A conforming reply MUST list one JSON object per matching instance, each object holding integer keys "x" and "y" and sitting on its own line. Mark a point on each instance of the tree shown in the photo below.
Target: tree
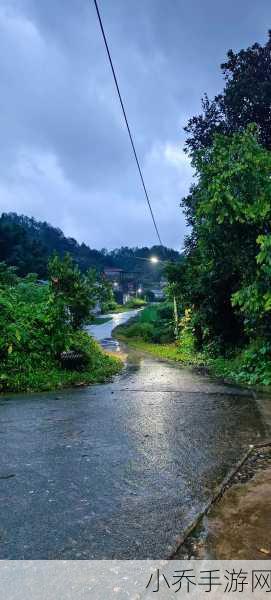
{"x": 71, "y": 289}
{"x": 254, "y": 298}
{"x": 245, "y": 99}
{"x": 19, "y": 250}
{"x": 8, "y": 275}
{"x": 231, "y": 208}
{"x": 32, "y": 328}
{"x": 104, "y": 293}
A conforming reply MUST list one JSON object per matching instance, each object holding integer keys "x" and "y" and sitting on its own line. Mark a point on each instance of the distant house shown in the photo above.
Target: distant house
{"x": 42, "y": 282}
{"x": 125, "y": 284}
{"x": 113, "y": 274}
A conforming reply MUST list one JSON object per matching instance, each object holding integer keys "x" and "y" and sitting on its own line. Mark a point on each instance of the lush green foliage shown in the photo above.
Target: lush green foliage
{"x": 71, "y": 290}
{"x": 153, "y": 324}
{"x": 230, "y": 208}
{"x": 132, "y": 304}
{"x": 78, "y": 292}
{"x": 254, "y": 298}
{"x": 225, "y": 278}
{"x": 28, "y": 245}
{"x": 251, "y": 367}
{"x": 135, "y": 303}
{"x": 246, "y": 98}
{"x": 18, "y": 249}
{"x": 39, "y": 322}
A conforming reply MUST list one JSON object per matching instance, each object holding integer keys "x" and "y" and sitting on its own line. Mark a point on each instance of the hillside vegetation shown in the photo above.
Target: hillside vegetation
{"x": 28, "y": 244}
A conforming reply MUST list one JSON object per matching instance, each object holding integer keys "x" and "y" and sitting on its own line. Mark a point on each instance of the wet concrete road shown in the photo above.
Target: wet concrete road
{"x": 103, "y": 332}
{"x": 118, "y": 470}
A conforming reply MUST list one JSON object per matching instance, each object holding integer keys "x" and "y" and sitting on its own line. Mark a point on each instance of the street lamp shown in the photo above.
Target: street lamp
{"x": 155, "y": 260}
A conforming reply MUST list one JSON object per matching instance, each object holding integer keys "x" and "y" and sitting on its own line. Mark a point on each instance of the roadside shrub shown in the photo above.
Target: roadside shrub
{"x": 35, "y": 328}
{"x": 107, "y": 307}
{"x": 253, "y": 366}
{"x": 144, "y": 331}
{"x": 135, "y": 303}
{"x": 186, "y": 336}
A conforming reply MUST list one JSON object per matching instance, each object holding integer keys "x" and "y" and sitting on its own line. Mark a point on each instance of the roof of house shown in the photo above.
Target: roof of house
{"x": 112, "y": 270}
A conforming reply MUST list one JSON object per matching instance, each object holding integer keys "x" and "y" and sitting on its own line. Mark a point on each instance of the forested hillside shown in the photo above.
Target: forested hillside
{"x": 28, "y": 244}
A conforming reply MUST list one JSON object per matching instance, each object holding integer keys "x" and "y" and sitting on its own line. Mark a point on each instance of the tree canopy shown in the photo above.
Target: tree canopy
{"x": 245, "y": 99}
{"x": 224, "y": 283}
{"x": 231, "y": 209}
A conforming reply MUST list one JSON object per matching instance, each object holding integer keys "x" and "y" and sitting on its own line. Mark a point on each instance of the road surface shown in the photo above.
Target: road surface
{"x": 118, "y": 470}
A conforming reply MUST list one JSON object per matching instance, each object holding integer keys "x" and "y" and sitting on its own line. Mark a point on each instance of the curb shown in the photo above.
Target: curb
{"x": 180, "y": 540}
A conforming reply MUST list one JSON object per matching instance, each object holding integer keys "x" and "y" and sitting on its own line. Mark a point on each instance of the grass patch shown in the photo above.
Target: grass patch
{"x": 131, "y": 305}
{"x": 99, "y": 320}
{"x": 246, "y": 368}
{"x": 120, "y": 308}
{"x": 55, "y": 378}
{"x": 231, "y": 370}
{"x": 164, "y": 351}
{"x": 52, "y": 377}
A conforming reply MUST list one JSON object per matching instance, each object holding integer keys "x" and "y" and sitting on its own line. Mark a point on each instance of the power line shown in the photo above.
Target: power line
{"x": 127, "y": 123}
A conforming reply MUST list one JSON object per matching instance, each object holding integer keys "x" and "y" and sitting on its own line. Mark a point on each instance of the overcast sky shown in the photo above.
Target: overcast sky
{"x": 64, "y": 154}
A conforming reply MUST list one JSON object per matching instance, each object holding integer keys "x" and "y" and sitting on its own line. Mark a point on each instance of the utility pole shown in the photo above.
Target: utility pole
{"x": 176, "y": 319}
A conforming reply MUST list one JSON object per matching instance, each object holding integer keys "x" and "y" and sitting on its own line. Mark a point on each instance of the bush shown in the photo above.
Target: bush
{"x": 252, "y": 366}
{"x": 107, "y": 307}
{"x": 135, "y": 303}
{"x": 35, "y": 328}
{"x": 186, "y": 337}
{"x": 144, "y": 331}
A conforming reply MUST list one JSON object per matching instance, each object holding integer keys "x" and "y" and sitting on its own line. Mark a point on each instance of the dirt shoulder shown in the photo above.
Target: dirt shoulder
{"x": 238, "y": 526}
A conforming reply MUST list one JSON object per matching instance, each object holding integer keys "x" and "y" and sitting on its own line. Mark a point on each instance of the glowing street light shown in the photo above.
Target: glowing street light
{"x": 139, "y": 291}
{"x": 155, "y": 260}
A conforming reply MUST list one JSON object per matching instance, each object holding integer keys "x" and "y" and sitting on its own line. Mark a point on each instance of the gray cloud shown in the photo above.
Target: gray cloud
{"x": 65, "y": 155}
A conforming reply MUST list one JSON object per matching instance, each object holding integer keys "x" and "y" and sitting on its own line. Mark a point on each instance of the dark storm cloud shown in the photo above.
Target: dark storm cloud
{"x": 65, "y": 154}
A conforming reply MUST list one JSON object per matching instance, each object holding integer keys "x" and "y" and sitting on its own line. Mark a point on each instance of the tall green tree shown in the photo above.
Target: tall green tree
{"x": 246, "y": 98}
{"x": 231, "y": 215}
{"x": 71, "y": 289}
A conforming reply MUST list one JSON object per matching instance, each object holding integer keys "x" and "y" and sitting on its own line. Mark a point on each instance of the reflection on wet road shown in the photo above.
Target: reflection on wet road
{"x": 103, "y": 332}
{"x": 118, "y": 470}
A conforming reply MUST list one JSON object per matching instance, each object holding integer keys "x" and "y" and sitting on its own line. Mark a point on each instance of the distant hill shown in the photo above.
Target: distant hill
{"x": 28, "y": 244}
